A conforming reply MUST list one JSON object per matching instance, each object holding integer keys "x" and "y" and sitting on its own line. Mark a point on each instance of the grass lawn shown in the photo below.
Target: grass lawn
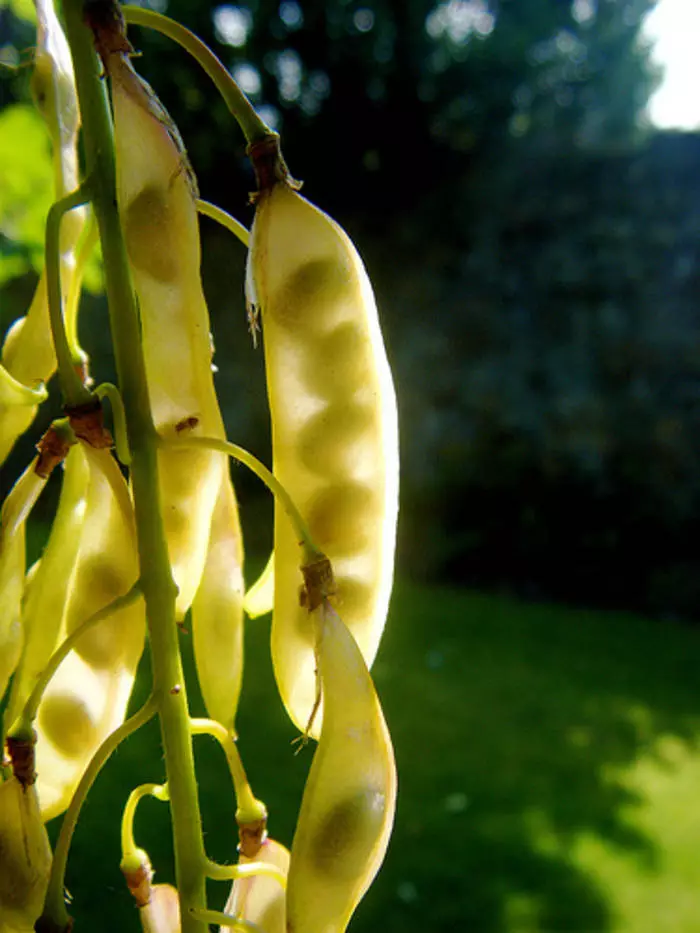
{"x": 549, "y": 768}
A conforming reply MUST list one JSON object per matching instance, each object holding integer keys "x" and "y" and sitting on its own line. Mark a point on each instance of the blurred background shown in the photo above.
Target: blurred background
{"x": 521, "y": 178}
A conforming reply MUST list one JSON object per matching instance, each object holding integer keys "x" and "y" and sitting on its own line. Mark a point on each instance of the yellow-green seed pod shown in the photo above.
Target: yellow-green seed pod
{"x": 15, "y": 510}
{"x": 18, "y": 405}
{"x": 87, "y": 697}
{"x": 217, "y": 613}
{"x": 48, "y": 583}
{"x": 162, "y": 913}
{"x": 259, "y": 899}
{"x": 260, "y": 598}
{"x": 25, "y": 858}
{"x": 156, "y": 196}
{"x": 348, "y": 806}
{"x": 334, "y": 427}
{"x": 27, "y": 353}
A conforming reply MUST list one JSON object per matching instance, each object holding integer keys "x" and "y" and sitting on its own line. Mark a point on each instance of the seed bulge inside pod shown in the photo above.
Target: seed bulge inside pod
{"x": 313, "y": 295}
{"x": 339, "y": 364}
{"x": 66, "y": 721}
{"x": 353, "y": 599}
{"x": 342, "y": 518}
{"x": 332, "y": 439}
{"x": 345, "y": 837}
{"x": 147, "y": 229}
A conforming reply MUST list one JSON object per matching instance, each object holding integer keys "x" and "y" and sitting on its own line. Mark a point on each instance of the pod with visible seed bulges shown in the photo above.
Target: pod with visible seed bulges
{"x": 347, "y": 810}
{"x": 334, "y": 421}
{"x": 87, "y": 697}
{"x": 156, "y": 195}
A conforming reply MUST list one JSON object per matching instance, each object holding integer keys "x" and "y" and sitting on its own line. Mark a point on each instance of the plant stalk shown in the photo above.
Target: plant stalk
{"x": 169, "y": 693}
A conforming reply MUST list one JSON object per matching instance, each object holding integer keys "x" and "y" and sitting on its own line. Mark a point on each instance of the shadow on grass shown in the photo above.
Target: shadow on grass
{"x": 513, "y": 725}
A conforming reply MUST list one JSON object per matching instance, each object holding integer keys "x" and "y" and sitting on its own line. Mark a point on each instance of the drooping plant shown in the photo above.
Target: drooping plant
{"x": 134, "y": 548}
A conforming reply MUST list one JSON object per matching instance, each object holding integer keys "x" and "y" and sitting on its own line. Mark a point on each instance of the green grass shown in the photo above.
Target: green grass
{"x": 549, "y": 767}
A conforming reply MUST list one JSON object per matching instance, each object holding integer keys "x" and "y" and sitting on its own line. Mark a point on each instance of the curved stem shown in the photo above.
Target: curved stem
{"x": 54, "y": 904}
{"x": 249, "y": 870}
{"x": 121, "y": 441}
{"x": 249, "y": 809}
{"x": 225, "y": 920}
{"x": 207, "y": 209}
{"x": 129, "y": 847}
{"x": 253, "y": 127}
{"x": 23, "y": 725}
{"x": 262, "y": 472}
{"x": 74, "y": 392}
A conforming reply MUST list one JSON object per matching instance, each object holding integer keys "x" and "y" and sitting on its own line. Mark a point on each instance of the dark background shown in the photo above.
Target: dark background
{"x": 533, "y": 245}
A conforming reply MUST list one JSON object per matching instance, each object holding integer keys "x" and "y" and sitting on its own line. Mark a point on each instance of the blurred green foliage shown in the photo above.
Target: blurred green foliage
{"x": 533, "y": 245}
{"x": 548, "y": 763}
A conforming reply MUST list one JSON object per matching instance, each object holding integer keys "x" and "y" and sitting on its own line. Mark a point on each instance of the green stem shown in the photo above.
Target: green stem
{"x": 54, "y": 904}
{"x": 240, "y": 107}
{"x": 261, "y": 471}
{"x": 129, "y": 847}
{"x": 225, "y": 219}
{"x": 121, "y": 441}
{"x": 23, "y": 725}
{"x": 249, "y": 809}
{"x": 74, "y": 392}
{"x": 169, "y": 691}
{"x": 249, "y": 870}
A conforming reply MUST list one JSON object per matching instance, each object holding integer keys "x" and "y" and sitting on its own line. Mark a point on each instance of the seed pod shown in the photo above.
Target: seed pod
{"x": 15, "y": 510}
{"x": 156, "y": 195}
{"x": 27, "y": 354}
{"x": 18, "y": 405}
{"x": 25, "y": 857}
{"x": 348, "y": 806}
{"x": 334, "y": 426}
{"x": 259, "y": 899}
{"x": 48, "y": 583}
{"x": 87, "y": 698}
{"x": 260, "y": 597}
{"x": 162, "y": 913}
{"x": 217, "y": 613}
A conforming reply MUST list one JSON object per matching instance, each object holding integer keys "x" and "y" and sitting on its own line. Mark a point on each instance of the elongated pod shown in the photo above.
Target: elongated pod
{"x": 49, "y": 582}
{"x": 156, "y": 195}
{"x": 350, "y": 796}
{"x": 217, "y": 612}
{"x": 334, "y": 426}
{"x": 259, "y": 899}
{"x": 27, "y": 353}
{"x": 25, "y": 857}
{"x": 87, "y": 697}
{"x": 13, "y": 518}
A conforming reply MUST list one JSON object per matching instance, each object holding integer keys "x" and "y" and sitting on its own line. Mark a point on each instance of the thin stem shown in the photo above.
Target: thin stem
{"x": 121, "y": 441}
{"x": 54, "y": 904}
{"x": 169, "y": 689}
{"x": 249, "y": 809}
{"x": 23, "y": 725}
{"x": 249, "y": 870}
{"x": 225, "y": 219}
{"x": 129, "y": 847}
{"x": 251, "y": 124}
{"x": 225, "y": 920}
{"x": 74, "y": 392}
{"x": 261, "y": 471}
